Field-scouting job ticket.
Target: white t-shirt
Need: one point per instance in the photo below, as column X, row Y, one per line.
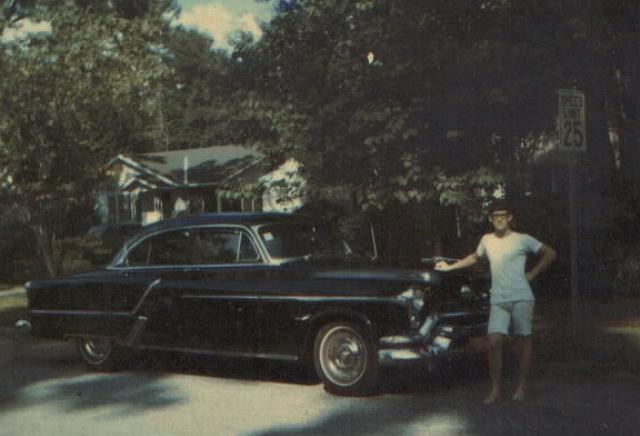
column 507, row 257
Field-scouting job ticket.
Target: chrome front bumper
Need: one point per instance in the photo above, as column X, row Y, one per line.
column 434, row 339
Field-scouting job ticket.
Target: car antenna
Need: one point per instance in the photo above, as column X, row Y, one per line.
column 373, row 239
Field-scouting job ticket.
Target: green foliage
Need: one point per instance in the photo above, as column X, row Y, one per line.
column 70, row 100
column 81, row 254
column 470, row 191
column 424, row 106
column 627, row 278
column 430, row 105
column 197, row 101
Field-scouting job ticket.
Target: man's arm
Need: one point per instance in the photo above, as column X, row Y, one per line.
column 468, row 261
column 547, row 256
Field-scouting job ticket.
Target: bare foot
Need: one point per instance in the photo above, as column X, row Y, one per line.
column 492, row 398
column 519, row 394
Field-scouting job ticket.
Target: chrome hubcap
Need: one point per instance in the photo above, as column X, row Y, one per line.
column 96, row 349
column 343, row 356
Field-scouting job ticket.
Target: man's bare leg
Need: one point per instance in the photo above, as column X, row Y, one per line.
column 496, row 341
column 524, row 350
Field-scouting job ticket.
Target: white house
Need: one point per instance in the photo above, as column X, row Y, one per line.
column 150, row 187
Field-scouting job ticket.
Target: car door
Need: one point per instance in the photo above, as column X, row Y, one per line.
column 224, row 280
column 162, row 259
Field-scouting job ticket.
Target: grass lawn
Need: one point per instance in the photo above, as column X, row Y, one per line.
column 608, row 334
column 12, row 309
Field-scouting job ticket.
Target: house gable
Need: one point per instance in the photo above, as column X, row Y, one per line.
column 196, row 180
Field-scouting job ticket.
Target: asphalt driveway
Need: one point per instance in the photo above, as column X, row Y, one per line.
column 44, row 390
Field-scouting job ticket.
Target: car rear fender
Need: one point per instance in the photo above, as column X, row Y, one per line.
column 124, row 326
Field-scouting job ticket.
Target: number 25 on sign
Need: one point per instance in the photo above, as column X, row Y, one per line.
column 572, row 120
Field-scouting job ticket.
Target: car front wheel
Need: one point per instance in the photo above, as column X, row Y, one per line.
column 101, row 353
column 345, row 359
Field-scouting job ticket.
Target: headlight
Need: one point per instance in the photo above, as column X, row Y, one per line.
column 413, row 298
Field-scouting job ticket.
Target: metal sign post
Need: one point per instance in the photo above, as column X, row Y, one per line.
column 573, row 139
column 573, row 224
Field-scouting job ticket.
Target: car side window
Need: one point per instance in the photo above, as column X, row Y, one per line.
column 247, row 252
column 168, row 248
column 216, row 246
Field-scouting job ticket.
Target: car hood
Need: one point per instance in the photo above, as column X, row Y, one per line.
column 363, row 270
column 396, row 275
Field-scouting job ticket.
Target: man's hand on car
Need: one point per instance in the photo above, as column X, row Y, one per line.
column 442, row 266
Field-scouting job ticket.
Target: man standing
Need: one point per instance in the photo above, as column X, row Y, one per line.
column 512, row 300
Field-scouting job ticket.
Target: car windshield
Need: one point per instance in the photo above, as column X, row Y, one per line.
column 294, row 239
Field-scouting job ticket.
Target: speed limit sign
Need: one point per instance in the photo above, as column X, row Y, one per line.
column 572, row 119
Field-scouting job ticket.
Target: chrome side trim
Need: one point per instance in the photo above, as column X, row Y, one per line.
column 79, row 312
column 288, row 298
column 135, row 335
column 285, row 357
column 153, row 284
column 185, row 266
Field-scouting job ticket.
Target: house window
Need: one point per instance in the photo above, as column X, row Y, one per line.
column 231, row 205
column 121, row 207
column 210, row 202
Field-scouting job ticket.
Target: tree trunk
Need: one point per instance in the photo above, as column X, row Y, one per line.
column 44, row 247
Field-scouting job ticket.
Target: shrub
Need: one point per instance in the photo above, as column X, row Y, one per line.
column 81, row 253
column 627, row 279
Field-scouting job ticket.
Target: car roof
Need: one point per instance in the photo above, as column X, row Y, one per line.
column 233, row 218
column 248, row 218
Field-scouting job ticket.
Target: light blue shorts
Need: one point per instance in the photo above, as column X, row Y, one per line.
column 516, row 314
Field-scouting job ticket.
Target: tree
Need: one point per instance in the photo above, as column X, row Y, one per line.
column 72, row 99
column 197, row 100
column 441, row 101
column 382, row 96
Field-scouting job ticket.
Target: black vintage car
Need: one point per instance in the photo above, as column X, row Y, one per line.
column 269, row 286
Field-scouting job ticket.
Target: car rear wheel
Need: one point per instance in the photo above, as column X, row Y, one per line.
column 101, row 353
column 345, row 360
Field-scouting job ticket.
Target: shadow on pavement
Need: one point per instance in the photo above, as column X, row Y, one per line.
column 35, row 372
column 571, row 406
column 131, row 393
column 237, row 369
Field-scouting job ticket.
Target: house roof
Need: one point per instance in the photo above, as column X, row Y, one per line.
column 196, row 167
